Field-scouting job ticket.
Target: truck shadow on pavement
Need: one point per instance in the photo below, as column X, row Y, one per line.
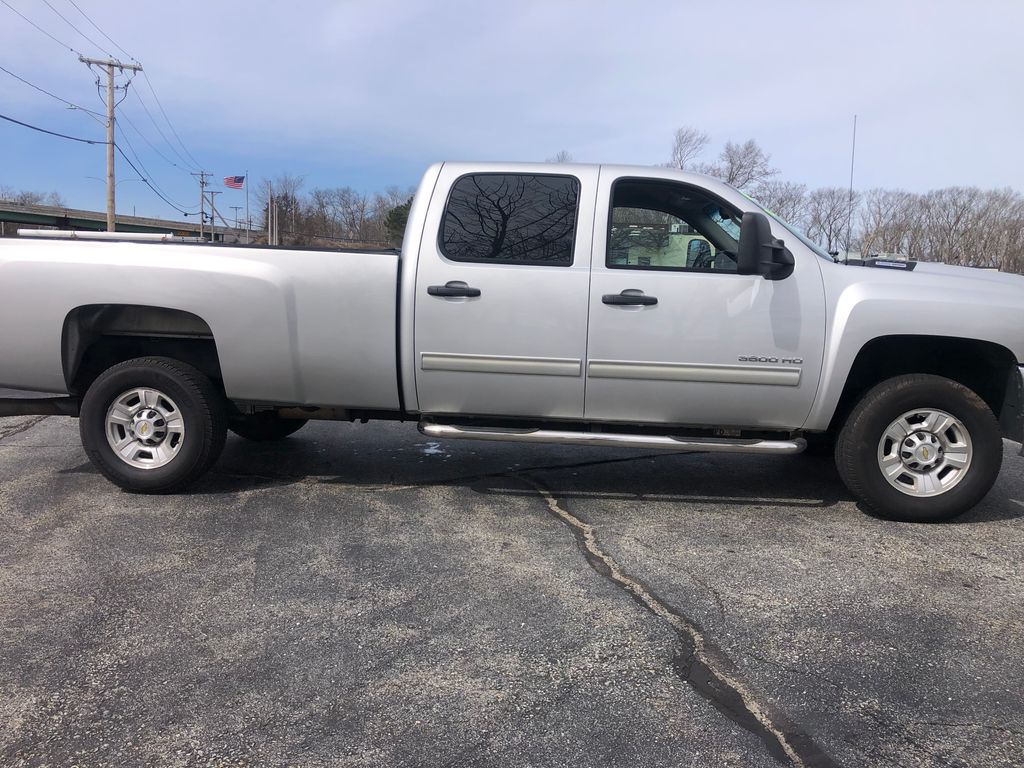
column 596, row 474
column 797, row 483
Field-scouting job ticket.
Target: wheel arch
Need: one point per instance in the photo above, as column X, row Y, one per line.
column 987, row 368
column 98, row 336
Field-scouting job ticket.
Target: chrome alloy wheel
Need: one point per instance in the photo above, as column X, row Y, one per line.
column 925, row 452
column 144, row 428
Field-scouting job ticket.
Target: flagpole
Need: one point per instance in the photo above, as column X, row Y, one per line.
column 247, row 222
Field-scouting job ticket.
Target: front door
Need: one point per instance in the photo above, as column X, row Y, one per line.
column 676, row 335
column 501, row 293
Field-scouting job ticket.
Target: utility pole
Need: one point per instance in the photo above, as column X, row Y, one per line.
column 270, row 214
column 213, row 212
column 202, row 198
column 248, row 221
column 110, row 65
column 236, row 209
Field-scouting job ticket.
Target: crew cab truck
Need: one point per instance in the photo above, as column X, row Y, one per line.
column 577, row 304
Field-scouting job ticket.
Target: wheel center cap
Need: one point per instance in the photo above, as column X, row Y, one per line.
column 144, row 426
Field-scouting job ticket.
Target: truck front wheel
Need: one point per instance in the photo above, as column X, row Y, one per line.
column 152, row 424
column 920, row 448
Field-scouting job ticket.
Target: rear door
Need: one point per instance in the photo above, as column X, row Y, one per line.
column 502, row 291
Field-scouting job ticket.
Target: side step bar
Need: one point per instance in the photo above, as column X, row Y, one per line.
column 39, row 406
column 611, row 439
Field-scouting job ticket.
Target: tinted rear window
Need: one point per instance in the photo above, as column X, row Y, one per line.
column 511, row 218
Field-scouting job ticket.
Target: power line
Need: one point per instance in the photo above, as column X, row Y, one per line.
column 51, row 133
column 142, row 165
column 190, row 160
column 90, row 141
column 146, row 182
column 96, row 27
column 152, row 146
column 110, row 142
column 52, row 95
column 26, row 18
column 138, row 95
column 169, row 123
column 80, row 32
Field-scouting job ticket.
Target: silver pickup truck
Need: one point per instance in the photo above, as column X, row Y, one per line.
column 576, row 304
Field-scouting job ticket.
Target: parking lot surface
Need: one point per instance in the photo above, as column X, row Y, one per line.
column 361, row 596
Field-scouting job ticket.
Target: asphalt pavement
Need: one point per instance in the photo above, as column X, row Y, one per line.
column 358, row 595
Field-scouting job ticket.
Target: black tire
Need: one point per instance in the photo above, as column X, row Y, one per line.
column 264, row 426
column 199, row 402
column 857, row 450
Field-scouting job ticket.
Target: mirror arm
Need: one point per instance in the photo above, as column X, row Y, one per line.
column 780, row 262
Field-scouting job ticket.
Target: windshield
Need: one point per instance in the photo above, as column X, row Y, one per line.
column 818, row 250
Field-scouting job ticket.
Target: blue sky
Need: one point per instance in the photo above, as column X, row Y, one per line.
column 367, row 94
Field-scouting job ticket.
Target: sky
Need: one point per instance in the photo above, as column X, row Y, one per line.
column 368, row 94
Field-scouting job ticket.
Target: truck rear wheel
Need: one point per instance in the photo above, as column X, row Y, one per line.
column 265, row 426
column 152, row 424
column 920, row 448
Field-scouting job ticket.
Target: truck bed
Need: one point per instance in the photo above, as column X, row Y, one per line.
column 291, row 326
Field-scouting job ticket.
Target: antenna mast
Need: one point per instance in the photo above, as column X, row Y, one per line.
column 849, row 201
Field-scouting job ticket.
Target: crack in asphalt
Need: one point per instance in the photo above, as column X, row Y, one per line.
column 700, row 664
column 17, row 429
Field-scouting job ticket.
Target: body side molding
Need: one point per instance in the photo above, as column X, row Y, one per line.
column 785, row 376
column 538, row 366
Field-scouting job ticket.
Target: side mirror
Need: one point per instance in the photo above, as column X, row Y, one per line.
column 759, row 252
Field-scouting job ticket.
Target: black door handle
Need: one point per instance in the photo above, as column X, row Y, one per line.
column 629, row 299
column 453, row 288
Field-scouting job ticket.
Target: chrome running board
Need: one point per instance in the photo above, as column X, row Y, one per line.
column 615, row 440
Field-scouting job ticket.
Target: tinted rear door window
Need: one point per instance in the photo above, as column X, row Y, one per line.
column 511, row 218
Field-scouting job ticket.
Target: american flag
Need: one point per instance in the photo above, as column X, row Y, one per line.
column 235, row 182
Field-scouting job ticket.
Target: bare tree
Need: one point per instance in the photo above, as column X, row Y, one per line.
column 561, row 156
column 343, row 213
column 285, row 192
column 26, row 197
column 999, row 235
column 743, row 165
column 950, row 216
column 687, row 146
column 1009, row 206
column 786, row 199
column 828, row 211
column 889, row 221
